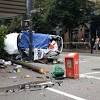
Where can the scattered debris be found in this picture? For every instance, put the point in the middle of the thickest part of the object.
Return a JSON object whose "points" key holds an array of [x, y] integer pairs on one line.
{"points": [[2, 61], [11, 91], [4, 64], [17, 69], [7, 63], [27, 76], [13, 77], [32, 86]]}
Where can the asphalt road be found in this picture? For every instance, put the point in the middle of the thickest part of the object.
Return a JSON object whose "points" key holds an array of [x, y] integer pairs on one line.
{"points": [[87, 87]]}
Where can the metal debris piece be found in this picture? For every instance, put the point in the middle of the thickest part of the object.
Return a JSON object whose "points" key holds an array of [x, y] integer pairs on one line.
{"points": [[13, 77], [29, 86]]}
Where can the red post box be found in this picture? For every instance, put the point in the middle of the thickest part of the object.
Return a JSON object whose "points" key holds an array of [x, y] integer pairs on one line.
{"points": [[72, 65]]}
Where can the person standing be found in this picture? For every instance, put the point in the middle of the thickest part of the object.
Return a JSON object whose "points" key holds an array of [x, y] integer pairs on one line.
{"points": [[92, 45], [96, 45]]}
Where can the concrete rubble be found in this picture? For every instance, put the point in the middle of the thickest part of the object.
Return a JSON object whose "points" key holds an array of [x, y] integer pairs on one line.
{"points": [[19, 77]]}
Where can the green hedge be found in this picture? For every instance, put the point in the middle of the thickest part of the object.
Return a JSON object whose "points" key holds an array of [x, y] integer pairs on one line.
{"points": [[3, 32]]}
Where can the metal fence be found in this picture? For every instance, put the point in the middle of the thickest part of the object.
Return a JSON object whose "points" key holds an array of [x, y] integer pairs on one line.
{"points": [[76, 45]]}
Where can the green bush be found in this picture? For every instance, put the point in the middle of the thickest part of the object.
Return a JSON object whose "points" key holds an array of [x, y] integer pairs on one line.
{"points": [[3, 32]]}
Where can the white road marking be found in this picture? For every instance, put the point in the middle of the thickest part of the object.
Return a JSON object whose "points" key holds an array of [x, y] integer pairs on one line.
{"points": [[88, 76], [66, 94], [85, 75], [83, 61], [97, 72]]}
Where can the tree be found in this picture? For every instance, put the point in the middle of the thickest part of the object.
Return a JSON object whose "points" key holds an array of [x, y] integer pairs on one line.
{"points": [[39, 18], [66, 12], [3, 32], [13, 24]]}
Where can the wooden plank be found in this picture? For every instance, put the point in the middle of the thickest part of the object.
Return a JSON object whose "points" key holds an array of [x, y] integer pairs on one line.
{"points": [[12, 7], [6, 2], [7, 14], [12, 11], [15, 0]]}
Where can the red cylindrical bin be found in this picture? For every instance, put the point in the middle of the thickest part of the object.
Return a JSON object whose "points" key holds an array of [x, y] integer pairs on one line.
{"points": [[72, 65]]}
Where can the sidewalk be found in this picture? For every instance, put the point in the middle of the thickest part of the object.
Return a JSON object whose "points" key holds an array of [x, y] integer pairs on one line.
{"points": [[83, 51], [76, 50]]}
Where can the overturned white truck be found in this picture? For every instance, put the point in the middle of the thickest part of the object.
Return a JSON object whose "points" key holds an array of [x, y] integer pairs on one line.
{"points": [[43, 45], [10, 43]]}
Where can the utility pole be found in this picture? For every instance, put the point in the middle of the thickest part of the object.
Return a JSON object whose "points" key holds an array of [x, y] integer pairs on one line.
{"points": [[29, 21]]}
